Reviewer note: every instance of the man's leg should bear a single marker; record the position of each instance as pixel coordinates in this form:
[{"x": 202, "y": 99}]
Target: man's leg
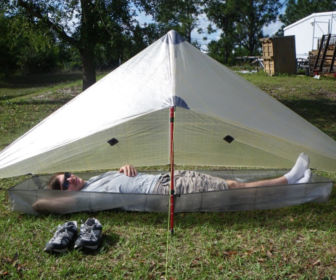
[
  {"x": 271, "y": 182},
  {"x": 299, "y": 174}
]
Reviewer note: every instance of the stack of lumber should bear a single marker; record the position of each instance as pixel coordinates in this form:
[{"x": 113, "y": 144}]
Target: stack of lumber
[{"x": 326, "y": 65}]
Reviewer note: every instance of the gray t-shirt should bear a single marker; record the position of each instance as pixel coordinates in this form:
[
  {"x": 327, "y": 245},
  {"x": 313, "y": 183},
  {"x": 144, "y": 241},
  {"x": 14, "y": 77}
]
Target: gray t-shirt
[{"x": 116, "y": 182}]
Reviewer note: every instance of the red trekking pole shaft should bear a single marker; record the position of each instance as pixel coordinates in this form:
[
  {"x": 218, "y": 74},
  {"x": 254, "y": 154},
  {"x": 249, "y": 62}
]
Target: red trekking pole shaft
[{"x": 172, "y": 170}]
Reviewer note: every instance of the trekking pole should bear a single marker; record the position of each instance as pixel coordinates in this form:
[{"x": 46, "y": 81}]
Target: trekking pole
[{"x": 172, "y": 191}]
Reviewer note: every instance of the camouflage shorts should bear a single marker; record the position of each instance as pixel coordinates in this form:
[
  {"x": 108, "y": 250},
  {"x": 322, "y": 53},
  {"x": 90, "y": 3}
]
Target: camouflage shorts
[{"x": 189, "y": 182}]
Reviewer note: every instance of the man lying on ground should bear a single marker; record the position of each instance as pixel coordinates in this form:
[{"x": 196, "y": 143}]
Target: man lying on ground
[
  {"x": 127, "y": 180},
  {"x": 185, "y": 181}
]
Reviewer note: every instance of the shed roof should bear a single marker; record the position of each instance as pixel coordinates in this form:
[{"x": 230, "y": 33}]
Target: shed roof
[{"x": 314, "y": 15}]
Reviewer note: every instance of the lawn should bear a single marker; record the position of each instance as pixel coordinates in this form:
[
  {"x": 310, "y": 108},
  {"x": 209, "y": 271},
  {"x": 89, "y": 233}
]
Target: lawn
[{"x": 289, "y": 243}]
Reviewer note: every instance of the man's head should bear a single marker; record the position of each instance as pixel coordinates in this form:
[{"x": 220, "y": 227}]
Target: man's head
[{"x": 65, "y": 181}]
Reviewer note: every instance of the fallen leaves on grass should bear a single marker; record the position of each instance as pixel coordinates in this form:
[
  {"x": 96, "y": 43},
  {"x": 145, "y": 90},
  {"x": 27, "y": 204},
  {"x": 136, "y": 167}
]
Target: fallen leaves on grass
[
  {"x": 315, "y": 263},
  {"x": 249, "y": 253},
  {"x": 3, "y": 273},
  {"x": 11, "y": 260},
  {"x": 285, "y": 257},
  {"x": 318, "y": 262},
  {"x": 195, "y": 262},
  {"x": 298, "y": 238},
  {"x": 14, "y": 261},
  {"x": 230, "y": 253}
]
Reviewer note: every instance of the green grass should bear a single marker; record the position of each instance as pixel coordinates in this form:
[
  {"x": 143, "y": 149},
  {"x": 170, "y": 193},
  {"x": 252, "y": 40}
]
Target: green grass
[{"x": 289, "y": 243}]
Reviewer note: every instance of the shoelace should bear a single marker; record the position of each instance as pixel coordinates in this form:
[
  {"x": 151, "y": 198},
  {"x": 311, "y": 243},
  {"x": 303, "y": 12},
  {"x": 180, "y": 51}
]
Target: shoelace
[
  {"x": 61, "y": 232},
  {"x": 88, "y": 232}
]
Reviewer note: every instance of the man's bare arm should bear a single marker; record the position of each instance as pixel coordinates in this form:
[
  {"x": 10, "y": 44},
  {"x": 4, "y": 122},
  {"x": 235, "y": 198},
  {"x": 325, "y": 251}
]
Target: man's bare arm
[
  {"x": 129, "y": 170},
  {"x": 54, "y": 205}
]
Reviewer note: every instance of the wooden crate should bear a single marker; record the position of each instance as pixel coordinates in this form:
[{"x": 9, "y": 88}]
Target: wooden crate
[
  {"x": 269, "y": 66},
  {"x": 279, "y": 55},
  {"x": 267, "y": 47}
]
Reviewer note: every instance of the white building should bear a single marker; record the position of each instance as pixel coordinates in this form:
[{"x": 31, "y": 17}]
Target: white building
[{"x": 308, "y": 30}]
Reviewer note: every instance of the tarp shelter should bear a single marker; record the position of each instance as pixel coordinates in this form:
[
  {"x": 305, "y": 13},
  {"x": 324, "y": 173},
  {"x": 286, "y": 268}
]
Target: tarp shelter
[{"x": 220, "y": 120}]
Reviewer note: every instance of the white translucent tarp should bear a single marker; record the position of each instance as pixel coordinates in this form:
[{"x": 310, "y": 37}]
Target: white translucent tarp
[
  {"x": 24, "y": 195},
  {"x": 132, "y": 103}
]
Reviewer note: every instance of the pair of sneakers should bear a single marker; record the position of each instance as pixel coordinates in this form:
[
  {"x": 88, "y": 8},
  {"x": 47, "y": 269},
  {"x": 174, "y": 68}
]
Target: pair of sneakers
[{"x": 89, "y": 236}]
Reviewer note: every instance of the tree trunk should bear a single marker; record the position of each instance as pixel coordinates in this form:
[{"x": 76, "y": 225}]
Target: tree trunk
[
  {"x": 89, "y": 69},
  {"x": 87, "y": 44}
]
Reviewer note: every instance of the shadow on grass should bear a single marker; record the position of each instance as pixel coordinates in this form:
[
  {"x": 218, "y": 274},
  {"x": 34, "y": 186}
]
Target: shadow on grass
[
  {"x": 9, "y": 97},
  {"x": 320, "y": 112},
  {"x": 33, "y": 102},
  {"x": 61, "y": 101},
  {"x": 43, "y": 102},
  {"x": 39, "y": 80},
  {"x": 109, "y": 240},
  {"x": 106, "y": 244}
]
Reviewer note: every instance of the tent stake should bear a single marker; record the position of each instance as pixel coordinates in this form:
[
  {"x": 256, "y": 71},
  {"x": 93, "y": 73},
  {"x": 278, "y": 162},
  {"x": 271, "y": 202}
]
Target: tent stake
[{"x": 172, "y": 170}]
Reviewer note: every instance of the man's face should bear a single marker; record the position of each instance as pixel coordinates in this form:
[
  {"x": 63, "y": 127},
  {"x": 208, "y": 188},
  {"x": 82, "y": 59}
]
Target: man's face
[{"x": 75, "y": 183}]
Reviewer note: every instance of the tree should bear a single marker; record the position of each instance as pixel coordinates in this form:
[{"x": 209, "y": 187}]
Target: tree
[
  {"x": 81, "y": 23},
  {"x": 124, "y": 47},
  {"x": 7, "y": 54},
  {"x": 219, "y": 50},
  {"x": 298, "y": 9},
  {"x": 182, "y": 15},
  {"x": 242, "y": 20},
  {"x": 224, "y": 16},
  {"x": 25, "y": 50}
]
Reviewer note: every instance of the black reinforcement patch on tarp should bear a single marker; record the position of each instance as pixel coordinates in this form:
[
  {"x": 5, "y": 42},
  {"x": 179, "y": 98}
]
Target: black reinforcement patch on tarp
[
  {"x": 113, "y": 141},
  {"x": 228, "y": 139}
]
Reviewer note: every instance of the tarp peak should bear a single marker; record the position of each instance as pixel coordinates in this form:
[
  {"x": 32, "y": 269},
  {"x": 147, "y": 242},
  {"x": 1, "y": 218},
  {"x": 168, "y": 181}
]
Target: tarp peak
[{"x": 172, "y": 37}]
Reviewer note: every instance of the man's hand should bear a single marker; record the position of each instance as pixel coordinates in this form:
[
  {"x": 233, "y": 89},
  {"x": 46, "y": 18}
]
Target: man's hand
[{"x": 129, "y": 170}]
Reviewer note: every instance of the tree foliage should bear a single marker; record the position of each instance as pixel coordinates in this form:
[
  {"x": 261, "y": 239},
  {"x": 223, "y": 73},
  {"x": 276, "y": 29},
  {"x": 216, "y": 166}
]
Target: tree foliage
[
  {"x": 241, "y": 22},
  {"x": 25, "y": 49},
  {"x": 182, "y": 16},
  {"x": 36, "y": 35},
  {"x": 82, "y": 24},
  {"x": 224, "y": 16},
  {"x": 64, "y": 31}
]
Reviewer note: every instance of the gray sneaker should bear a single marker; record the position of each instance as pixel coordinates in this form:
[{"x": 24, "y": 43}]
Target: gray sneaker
[
  {"x": 89, "y": 235},
  {"x": 63, "y": 236}
]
